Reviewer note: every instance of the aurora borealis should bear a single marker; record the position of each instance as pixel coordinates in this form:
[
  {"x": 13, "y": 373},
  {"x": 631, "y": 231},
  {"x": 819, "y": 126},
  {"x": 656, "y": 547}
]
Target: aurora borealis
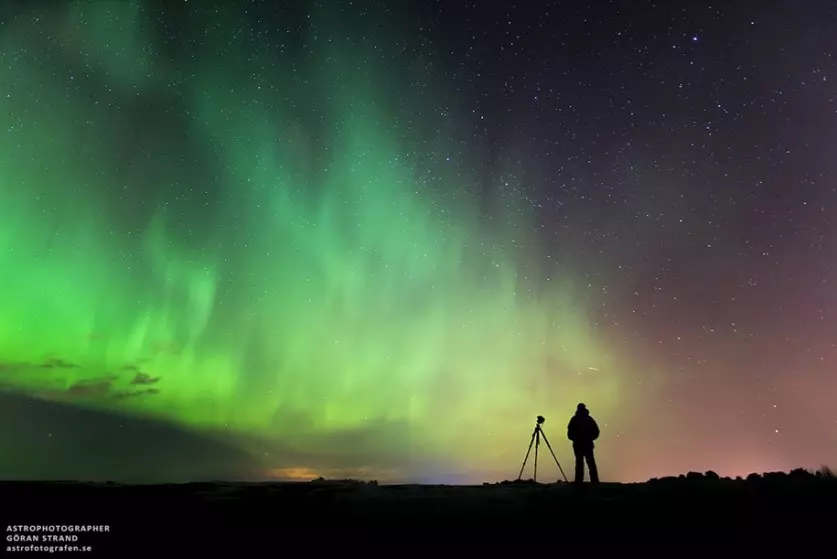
[{"x": 295, "y": 232}]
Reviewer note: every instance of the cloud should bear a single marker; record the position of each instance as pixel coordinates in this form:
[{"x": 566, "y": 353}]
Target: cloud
[
  {"x": 44, "y": 440},
  {"x": 90, "y": 389},
  {"x": 100, "y": 388},
  {"x": 49, "y": 379},
  {"x": 145, "y": 392},
  {"x": 144, "y": 378},
  {"x": 55, "y": 363},
  {"x": 10, "y": 367}
]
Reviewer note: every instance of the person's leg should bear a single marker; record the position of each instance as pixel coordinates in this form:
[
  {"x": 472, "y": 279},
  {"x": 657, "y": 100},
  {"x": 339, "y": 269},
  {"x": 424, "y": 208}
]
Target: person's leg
[
  {"x": 591, "y": 464},
  {"x": 579, "y": 464}
]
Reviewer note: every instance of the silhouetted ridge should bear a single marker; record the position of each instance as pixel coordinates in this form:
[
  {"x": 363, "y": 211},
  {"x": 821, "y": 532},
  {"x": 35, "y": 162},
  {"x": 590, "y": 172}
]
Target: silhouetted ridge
[{"x": 799, "y": 474}]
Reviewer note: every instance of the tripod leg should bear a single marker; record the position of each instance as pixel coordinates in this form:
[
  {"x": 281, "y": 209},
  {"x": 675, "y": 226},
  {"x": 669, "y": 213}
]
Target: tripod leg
[
  {"x": 520, "y": 475},
  {"x": 549, "y": 446},
  {"x": 537, "y": 444}
]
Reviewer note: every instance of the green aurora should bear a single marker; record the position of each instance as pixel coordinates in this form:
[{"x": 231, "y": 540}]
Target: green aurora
[{"x": 271, "y": 244}]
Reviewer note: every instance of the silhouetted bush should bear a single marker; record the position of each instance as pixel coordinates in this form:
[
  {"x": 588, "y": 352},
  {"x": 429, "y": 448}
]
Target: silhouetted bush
[
  {"x": 344, "y": 481},
  {"x": 666, "y": 479},
  {"x": 799, "y": 473},
  {"x": 529, "y": 481}
]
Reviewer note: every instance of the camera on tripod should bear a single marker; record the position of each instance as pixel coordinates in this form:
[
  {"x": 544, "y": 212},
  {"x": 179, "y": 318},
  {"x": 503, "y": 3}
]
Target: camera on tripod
[{"x": 537, "y": 435}]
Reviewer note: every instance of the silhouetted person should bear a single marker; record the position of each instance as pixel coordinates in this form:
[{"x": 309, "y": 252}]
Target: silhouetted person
[{"x": 582, "y": 431}]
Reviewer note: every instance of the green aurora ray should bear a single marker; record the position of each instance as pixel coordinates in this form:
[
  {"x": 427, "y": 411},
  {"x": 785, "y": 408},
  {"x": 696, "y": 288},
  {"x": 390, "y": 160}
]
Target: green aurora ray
[{"x": 280, "y": 251}]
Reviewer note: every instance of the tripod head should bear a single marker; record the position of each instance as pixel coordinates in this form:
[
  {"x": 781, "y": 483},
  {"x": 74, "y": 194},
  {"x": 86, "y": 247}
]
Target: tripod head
[{"x": 541, "y": 420}]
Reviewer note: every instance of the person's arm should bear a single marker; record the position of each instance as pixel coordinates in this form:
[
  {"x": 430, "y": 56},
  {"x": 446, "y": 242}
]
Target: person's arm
[
  {"x": 595, "y": 429},
  {"x": 571, "y": 429}
]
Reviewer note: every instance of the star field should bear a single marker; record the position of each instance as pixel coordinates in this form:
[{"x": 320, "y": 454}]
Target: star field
[{"x": 375, "y": 239}]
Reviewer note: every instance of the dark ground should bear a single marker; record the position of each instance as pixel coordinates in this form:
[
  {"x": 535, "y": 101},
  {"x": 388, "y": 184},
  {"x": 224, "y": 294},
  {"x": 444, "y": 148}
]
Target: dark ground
[{"x": 674, "y": 517}]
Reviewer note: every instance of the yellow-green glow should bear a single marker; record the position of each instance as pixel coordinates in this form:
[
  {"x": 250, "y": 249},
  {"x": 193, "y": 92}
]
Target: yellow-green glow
[{"x": 279, "y": 254}]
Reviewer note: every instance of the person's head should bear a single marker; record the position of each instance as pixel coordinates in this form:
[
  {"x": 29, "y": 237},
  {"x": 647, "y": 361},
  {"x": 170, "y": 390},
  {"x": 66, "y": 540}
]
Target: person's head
[{"x": 581, "y": 409}]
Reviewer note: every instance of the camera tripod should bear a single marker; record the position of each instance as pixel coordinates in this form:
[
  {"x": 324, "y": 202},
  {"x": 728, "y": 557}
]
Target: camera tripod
[{"x": 537, "y": 434}]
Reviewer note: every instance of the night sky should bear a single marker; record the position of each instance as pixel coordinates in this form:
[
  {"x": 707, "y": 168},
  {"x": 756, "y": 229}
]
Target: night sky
[{"x": 278, "y": 240}]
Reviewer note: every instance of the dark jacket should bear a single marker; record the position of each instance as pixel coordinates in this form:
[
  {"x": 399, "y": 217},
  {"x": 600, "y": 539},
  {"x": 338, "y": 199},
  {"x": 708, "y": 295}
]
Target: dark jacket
[{"x": 582, "y": 429}]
